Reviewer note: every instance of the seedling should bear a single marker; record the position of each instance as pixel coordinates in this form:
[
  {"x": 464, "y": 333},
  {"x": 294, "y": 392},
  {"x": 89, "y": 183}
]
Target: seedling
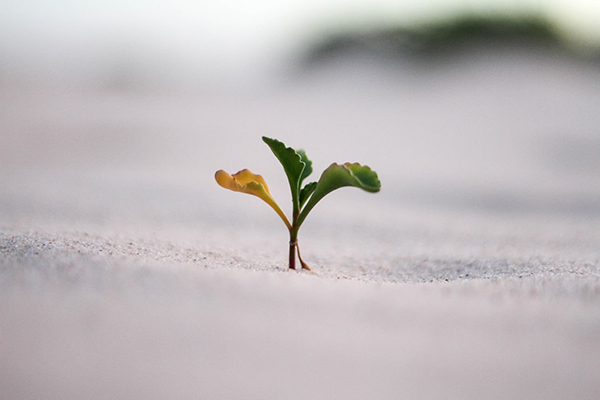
[{"x": 298, "y": 167}]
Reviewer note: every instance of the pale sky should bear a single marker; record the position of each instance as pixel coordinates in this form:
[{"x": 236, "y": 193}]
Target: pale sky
[{"x": 225, "y": 36}]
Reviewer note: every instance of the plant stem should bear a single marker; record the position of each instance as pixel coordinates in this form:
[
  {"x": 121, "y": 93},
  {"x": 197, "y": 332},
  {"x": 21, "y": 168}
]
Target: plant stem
[
  {"x": 304, "y": 265},
  {"x": 292, "y": 254},
  {"x": 293, "y": 241},
  {"x": 294, "y": 248}
]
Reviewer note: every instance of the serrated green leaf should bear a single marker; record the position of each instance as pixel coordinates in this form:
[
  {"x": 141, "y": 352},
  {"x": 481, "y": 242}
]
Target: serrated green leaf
[
  {"x": 292, "y": 164},
  {"x": 307, "y": 169},
  {"x": 337, "y": 176},
  {"x": 306, "y": 191},
  {"x": 367, "y": 178}
]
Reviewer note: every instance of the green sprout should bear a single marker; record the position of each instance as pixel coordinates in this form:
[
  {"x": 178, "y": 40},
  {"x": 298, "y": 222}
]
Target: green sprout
[{"x": 298, "y": 167}]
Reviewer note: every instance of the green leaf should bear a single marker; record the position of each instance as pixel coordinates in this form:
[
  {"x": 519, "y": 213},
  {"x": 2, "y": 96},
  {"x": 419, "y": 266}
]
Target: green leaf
[
  {"x": 293, "y": 165},
  {"x": 306, "y": 192},
  {"x": 337, "y": 176},
  {"x": 308, "y": 169}
]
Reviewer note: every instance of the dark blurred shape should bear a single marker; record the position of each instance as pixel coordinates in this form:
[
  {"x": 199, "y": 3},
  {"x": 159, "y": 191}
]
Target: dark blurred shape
[
  {"x": 444, "y": 41},
  {"x": 469, "y": 31}
]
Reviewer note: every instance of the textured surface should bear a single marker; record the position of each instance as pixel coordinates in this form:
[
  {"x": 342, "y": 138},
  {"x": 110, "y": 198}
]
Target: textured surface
[{"x": 126, "y": 272}]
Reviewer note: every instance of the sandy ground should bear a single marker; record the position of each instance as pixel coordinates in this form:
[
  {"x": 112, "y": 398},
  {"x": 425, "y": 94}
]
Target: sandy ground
[{"x": 126, "y": 272}]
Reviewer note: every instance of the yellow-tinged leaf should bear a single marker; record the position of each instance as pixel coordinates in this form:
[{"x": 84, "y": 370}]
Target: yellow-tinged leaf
[{"x": 247, "y": 182}]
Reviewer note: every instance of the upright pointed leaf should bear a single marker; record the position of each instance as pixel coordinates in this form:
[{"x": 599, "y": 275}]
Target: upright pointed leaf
[
  {"x": 308, "y": 168},
  {"x": 306, "y": 192},
  {"x": 337, "y": 176},
  {"x": 292, "y": 165}
]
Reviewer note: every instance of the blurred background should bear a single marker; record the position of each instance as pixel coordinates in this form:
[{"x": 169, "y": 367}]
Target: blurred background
[
  {"x": 190, "y": 45},
  {"x": 488, "y": 106}
]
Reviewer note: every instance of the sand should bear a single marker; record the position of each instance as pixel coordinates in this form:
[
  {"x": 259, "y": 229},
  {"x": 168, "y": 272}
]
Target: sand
[{"x": 126, "y": 272}]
